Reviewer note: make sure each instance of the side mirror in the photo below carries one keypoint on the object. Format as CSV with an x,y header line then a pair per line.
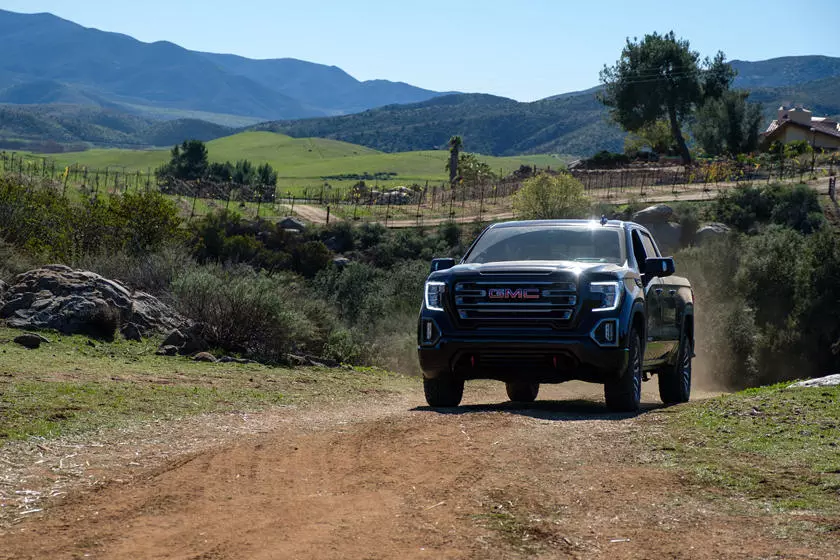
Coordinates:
x,y
442,264
660,267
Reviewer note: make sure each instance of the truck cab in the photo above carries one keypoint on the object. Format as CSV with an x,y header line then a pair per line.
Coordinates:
x,y
549,301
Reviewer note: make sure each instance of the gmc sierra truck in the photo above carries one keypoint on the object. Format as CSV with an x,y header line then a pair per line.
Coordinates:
x,y
550,301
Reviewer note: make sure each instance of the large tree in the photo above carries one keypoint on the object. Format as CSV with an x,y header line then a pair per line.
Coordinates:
x,y
728,125
660,77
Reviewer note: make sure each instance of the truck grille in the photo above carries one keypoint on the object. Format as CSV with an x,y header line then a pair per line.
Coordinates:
x,y
517,304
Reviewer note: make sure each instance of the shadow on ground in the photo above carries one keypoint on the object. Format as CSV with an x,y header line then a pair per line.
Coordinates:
x,y
560,411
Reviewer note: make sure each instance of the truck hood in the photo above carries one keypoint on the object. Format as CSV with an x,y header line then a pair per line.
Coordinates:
x,y
533,267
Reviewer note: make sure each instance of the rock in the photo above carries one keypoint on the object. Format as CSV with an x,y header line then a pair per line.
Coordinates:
x,y
657,214
668,236
30,340
232,360
194,341
710,232
292,223
167,351
175,338
3,288
205,357
827,381
72,301
332,244
132,332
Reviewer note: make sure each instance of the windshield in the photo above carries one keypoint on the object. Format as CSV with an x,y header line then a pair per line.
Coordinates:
x,y
548,243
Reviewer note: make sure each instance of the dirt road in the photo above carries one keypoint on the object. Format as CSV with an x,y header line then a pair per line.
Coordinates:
x,y
389,478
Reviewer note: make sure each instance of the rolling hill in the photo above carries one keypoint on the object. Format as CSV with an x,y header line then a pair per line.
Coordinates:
x,y
574,123
491,125
34,126
300,161
47,59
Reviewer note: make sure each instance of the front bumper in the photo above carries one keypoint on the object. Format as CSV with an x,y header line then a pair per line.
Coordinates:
x,y
533,360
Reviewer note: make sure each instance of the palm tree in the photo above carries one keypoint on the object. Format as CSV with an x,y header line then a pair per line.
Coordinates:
x,y
455,144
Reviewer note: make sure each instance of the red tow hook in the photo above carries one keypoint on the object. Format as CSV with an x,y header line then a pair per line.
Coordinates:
x,y
554,359
472,361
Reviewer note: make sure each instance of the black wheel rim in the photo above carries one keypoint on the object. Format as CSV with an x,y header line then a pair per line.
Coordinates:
x,y
685,368
637,373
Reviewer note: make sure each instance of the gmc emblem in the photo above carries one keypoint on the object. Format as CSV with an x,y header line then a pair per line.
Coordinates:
x,y
509,293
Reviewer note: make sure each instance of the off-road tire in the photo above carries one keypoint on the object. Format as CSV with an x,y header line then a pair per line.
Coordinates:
x,y
443,392
624,394
675,381
522,392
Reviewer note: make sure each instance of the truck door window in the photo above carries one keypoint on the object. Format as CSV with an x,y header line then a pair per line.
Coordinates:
x,y
650,248
639,251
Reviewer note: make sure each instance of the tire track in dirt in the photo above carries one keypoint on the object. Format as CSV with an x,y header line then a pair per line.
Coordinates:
x,y
559,479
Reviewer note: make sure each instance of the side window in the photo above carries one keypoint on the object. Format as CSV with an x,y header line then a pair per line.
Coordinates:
x,y
639,251
650,248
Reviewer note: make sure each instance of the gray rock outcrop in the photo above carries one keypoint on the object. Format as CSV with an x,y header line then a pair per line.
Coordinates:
x,y
710,232
827,381
80,302
292,223
656,214
668,235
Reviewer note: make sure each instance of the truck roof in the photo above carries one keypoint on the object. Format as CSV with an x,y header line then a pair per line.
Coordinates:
x,y
555,223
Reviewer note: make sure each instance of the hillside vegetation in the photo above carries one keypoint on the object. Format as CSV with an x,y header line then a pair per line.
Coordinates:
x,y
50,128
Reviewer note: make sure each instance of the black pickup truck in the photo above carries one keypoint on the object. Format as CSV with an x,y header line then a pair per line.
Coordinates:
x,y
550,301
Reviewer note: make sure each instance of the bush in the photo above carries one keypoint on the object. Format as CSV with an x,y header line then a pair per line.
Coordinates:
x,y
548,197
153,272
747,207
248,312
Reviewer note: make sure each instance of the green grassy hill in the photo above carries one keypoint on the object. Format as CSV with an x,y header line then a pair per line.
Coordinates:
x,y
301,161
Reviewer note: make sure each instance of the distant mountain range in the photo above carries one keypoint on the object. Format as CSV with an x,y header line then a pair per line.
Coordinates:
x,y
66,84
46,59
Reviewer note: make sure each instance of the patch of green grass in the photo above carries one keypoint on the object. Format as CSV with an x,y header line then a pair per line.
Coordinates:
x,y
777,445
302,162
70,386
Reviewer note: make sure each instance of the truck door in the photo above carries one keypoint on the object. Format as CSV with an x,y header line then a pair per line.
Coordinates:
x,y
667,333
653,299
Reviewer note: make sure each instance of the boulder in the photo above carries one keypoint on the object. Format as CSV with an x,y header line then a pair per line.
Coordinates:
x,y
292,223
710,232
72,301
194,341
3,288
206,357
667,235
167,351
657,214
132,332
827,381
31,340
175,338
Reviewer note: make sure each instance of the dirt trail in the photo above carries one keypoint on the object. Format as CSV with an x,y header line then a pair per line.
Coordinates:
x,y
392,479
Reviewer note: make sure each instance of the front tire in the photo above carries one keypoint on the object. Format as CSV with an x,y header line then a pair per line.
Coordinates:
x,y
522,392
675,382
443,392
625,393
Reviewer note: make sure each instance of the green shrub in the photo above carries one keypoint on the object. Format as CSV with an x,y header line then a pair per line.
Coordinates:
x,y
248,312
548,197
747,207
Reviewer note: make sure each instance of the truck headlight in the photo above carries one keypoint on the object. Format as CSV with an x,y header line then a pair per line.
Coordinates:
x,y
609,293
434,295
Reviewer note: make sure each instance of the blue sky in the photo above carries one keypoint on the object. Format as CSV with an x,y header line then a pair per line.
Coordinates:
x,y
526,50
